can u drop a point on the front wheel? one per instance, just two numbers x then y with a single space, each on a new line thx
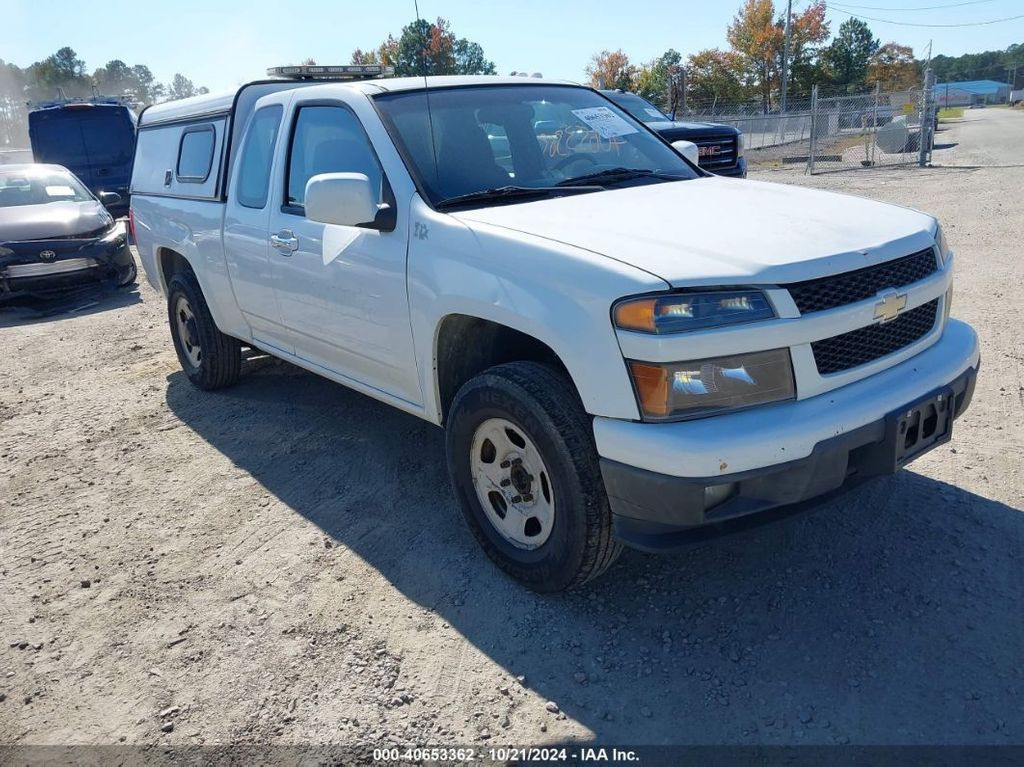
210 359
522 460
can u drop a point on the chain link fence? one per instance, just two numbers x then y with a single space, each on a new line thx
870 130
836 132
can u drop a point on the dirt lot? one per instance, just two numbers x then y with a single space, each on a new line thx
282 562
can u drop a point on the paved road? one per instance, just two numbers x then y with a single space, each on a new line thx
282 562
982 137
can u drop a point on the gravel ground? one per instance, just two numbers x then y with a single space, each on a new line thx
282 562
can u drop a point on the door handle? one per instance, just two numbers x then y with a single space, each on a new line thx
284 242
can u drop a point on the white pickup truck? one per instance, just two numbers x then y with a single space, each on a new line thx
622 348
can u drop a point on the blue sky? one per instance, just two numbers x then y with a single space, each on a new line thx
221 43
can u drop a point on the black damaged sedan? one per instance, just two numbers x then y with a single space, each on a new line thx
56 236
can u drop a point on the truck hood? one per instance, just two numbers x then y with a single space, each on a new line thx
51 220
719 231
678 126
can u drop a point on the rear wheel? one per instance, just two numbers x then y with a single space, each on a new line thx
210 359
523 463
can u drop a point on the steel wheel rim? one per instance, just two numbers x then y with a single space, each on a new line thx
512 483
188 331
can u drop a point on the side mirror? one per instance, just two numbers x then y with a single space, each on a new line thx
345 199
109 198
688 150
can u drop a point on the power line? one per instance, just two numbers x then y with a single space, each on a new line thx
912 24
921 8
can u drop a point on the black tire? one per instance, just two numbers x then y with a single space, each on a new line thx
542 402
220 362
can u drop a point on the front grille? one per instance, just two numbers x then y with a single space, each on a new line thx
850 287
716 153
62 247
42 269
861 346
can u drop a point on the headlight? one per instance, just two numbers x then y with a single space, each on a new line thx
687 389
681 312
115 236
940 242
741 145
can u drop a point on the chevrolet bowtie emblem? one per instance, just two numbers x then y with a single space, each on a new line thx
890 306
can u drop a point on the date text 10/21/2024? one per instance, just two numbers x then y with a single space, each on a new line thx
503 754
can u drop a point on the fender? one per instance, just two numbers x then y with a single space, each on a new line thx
558 294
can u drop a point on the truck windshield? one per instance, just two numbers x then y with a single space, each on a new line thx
35 186
521 142
642 109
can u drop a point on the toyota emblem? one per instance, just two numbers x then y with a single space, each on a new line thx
48 256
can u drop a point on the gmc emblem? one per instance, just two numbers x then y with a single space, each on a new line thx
709 151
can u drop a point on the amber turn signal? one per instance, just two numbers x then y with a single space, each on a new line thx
651 383
636 315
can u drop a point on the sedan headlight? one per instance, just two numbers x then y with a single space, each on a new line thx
703 387
115 236
940 242
681 312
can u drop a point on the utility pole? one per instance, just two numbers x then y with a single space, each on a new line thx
785 51
683 84
924 149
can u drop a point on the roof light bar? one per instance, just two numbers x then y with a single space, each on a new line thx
334 72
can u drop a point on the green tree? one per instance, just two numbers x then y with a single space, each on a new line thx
62 70
13 122
359 56
470 59
714 77
658 80
181 88
986 65
145 88
849 55
114 78
426 48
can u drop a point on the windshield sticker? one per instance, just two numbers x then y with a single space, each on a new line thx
604 122
654 113
60 191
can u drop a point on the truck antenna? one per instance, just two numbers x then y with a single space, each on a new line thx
426 91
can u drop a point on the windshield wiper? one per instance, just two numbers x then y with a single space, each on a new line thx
621 174
513 192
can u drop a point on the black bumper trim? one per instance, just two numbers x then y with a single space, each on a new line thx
658 512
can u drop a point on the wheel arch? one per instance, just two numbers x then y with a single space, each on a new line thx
171 262
466 345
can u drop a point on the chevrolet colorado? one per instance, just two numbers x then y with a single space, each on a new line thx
621 347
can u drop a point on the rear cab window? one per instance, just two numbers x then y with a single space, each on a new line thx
256 159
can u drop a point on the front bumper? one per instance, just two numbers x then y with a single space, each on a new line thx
25 275
739 170
773 456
